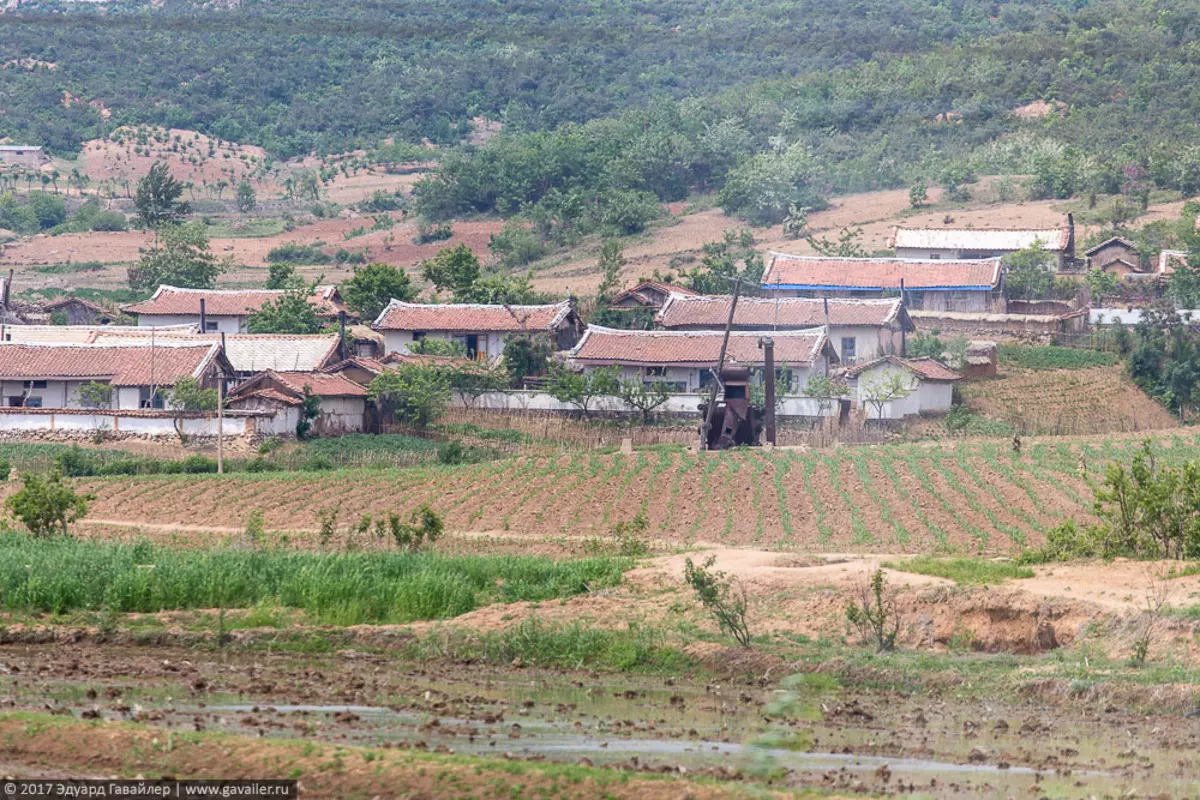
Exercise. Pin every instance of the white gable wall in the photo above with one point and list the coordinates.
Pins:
(491, 343)
(224, 324)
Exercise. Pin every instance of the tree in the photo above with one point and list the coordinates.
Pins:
(1027, 273)
(246, 198)
(372, 287)
(189, 396)
(181, 257)
(581, 389)
(918, 194)
(1101, 283)
(283, 275)
(310, 407)
(612, 261)
(1151, 510)
(823, 389)
(719, 266)
(882, 388)
(472, 379)
(876, 613)
(290, 313)
(846, 246)
(94, 394)
(46, 505)
(417, 394)
(458, 270)
(723, 597)
(525, 355)
(157, 199)
(642, 396)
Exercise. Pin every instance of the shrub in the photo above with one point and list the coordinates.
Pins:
(77, 463)
(875, 614)
(300, 254)
(452, 453)
(46, 505)
(198, 464)
(5, 469)
(722, 597)
(423, 526)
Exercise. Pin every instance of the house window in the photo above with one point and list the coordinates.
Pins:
(706, 378)
(783, 380)
(934, 256)
(418, 336)
(38, 384)
(656, 372)
(849, 355)
(209, 326)
(33, 402)
(145, 400)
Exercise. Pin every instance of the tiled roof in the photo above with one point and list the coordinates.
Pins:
(1111, 240)
(926, 368)
(469, 317)
(247, 352)
(989, 239)
(782, 312)
(324, 384)
(267, 394)
(77, 334)
(638, 292)
(122, 366)
(66, 301)
(830, 272)
(612, 346)
(228, 302)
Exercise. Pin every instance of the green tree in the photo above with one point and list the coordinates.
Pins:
(525, 355)
(1101, 283)
(824, 390)
(188, 395)
(582, 389)
(246, 198)
(310, 408)
(375, 285)
(283, 275)
(181, 257)
(612, 261)
(46, 505)
(848, 244)
(885, 387)
(94, 394)
(643, 397)
(158, 198)
(289, 313)
(418, 395)
(473, 379)
(1028, 273)
(918, 194)
(455, 269)
(719, 266)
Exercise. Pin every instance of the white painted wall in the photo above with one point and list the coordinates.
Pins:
(57, 394)
(398, 341)
(224, 324)
(140, 424)
(924, 396)
(791, 406)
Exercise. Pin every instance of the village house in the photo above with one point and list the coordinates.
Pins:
(23, 155)
(1116, 255)
(976, 243)
(480, 329)
(685, 360)
(223, 310)
(343, 407)
(858, 329)
(50, 376)
(77, 311)
(931, 285)
(248, 353)
(928, 386)
(648, 294)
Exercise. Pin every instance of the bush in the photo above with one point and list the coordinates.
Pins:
(299, 254)
(77, 463)
(724, 598)
(452, 453)
(5, 469)
(198, 464)
(46, 505)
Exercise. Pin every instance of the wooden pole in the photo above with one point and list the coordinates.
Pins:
(712, 395)
(768, 346)
(220, 411)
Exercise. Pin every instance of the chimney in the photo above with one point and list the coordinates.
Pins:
(826, 302)
(342, 352)
(203, 317)
(903, 333)
(1070, 235)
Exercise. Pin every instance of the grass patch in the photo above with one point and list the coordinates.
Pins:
(968, 571)
(62, 575)
(575, 646)
(1053, 357)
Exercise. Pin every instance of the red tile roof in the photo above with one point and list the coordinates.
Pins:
(266, 394)
(470, 317)
(228, 302)
(122, 366)
(829, 272)
(610, 346)
(926, 368)
(782, 312)
(638, 292)
(324, 384)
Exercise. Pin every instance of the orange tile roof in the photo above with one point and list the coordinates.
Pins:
(786, 271)
(324, 384)
(267, 394)
(228, 302)
(928, 368)
(468, 317)
(783, 312)
(612, 346)
(122, 366)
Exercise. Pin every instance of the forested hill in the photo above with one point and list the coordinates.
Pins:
(301, 75)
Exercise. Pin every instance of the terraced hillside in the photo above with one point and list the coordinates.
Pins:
(974, 495)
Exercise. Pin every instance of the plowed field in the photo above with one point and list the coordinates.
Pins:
(965, 496)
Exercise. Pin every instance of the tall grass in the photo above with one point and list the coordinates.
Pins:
(63, 575)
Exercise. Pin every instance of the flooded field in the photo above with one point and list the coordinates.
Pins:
(806, 731)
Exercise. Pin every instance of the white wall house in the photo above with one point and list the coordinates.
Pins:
(973, 243)
(929, 385)
(859, 329)
(480, 329)
(225, 310)
(685, 360)
(343, 406)
(50, 376)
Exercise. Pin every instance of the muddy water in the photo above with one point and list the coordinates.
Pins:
(880, 742)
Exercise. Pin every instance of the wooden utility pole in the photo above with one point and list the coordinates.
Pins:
(712, 395)
(220, 410)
